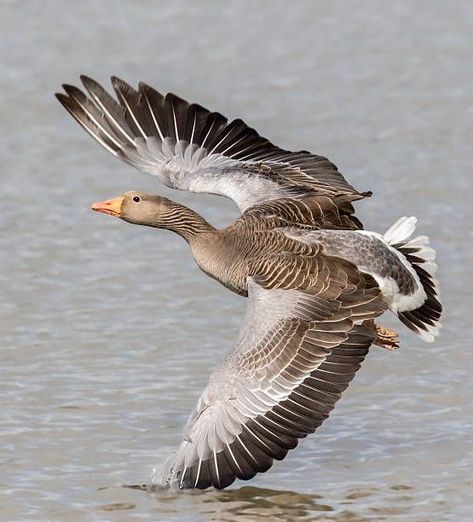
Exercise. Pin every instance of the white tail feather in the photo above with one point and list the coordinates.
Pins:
(424, 319)
(401, 230)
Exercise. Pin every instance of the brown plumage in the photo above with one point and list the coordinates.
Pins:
(315, 281)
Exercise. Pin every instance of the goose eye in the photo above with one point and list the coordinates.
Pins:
(136, 199)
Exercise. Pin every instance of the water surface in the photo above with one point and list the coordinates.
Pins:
(109, 331)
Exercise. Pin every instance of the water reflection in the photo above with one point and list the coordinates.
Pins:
(249, 503)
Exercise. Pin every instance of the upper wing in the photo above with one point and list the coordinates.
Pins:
(191, 148)
(296, 353)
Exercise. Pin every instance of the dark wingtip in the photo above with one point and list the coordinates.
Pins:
(150, 92)
(63, 99)
(87, 80)
(144, 87)
(120, 86)
(71, 90)
(91, 86)
(367, 194)
(118, 82)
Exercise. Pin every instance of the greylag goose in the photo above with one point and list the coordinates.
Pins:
(315, 281)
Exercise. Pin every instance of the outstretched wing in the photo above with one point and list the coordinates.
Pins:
(191, 148)
(297, 352)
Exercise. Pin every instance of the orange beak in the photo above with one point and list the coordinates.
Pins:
(112, 206)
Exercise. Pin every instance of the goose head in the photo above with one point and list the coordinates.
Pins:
(135, 207)
(141, 208)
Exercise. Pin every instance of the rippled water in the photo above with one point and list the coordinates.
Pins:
(109, 332)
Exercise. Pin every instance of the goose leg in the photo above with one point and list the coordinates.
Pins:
(385, 337)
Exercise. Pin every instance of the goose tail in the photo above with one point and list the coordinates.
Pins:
(425, 319)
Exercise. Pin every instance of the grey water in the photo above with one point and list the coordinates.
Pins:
(109, 331)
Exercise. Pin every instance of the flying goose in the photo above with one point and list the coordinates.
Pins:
(315, 281)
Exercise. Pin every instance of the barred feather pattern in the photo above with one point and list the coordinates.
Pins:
(296, 353)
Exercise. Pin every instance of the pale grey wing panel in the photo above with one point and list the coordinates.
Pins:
(191, 148)
(279, 383)
(268, 436)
